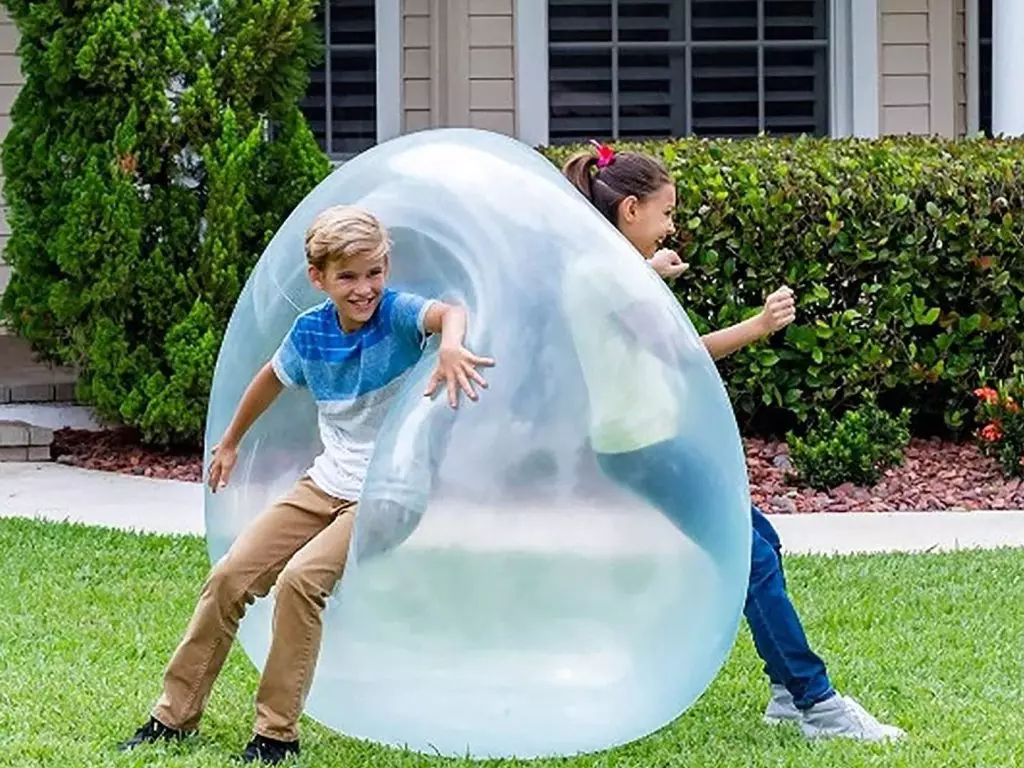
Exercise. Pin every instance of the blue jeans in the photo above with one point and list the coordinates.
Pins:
(778, 634)
(657, 473)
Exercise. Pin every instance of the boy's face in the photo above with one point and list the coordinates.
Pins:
(646, 223)
(354, 285)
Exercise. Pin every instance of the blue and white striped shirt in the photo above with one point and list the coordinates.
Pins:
(353, 377)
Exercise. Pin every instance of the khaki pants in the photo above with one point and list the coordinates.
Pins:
(300, 543)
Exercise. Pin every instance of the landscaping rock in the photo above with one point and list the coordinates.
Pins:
(934, 476)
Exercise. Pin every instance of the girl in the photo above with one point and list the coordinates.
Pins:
(637, 195)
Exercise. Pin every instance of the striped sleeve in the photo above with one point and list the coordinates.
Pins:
(408, 312)
(288, 360)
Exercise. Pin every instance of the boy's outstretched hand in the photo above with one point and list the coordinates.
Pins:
(456, 367)
(223, 461)
(779, 310)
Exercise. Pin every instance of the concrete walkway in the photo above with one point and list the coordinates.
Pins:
(59, 493)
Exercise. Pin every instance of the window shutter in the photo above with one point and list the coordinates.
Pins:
(341, 99)
(985, 66)
(707, 67)
(796, 67)
(580, 80)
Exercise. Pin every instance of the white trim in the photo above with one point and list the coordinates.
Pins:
(841, 67)
(388, 19)
(1007, 61)
(864, 66)
(973, 69)
(532, 75)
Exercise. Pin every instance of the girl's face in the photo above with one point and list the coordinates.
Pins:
(646, 223)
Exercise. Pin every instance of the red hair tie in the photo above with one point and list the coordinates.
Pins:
(605, 154)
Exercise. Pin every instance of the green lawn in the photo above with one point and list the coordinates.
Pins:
(932, 643)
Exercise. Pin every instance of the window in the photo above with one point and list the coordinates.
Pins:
(341, 101)
(632, 69)
(985, 66)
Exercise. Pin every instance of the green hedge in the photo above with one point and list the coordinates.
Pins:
(142, 186)
(906, 255)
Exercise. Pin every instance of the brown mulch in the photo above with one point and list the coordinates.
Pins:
(119, 450)
(935, 475)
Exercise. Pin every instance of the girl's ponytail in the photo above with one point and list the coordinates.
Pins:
(579, 169)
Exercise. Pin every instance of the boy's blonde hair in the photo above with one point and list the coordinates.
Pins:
(342, 231)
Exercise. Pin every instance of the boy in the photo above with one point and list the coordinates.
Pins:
(367, 336)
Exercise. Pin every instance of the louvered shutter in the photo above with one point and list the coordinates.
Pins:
(708, 67)
(341, 101)
(580, 79)
(985, 66)
(796, 67)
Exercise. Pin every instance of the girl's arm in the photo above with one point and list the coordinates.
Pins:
(779, 311)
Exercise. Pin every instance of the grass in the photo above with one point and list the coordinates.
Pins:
(88, 618)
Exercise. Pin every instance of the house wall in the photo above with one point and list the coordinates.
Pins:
(10, 83)
(492, 101)
(458, 64)
(905, 67)
(417, 52)
(960, 73)
(923, 67)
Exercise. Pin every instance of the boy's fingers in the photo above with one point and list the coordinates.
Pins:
(432, 385)
(475, 375)
(453, 393)
(466, 386)
(484, 361)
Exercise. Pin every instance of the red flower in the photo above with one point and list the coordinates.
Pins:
(992, 432)
(987, 395)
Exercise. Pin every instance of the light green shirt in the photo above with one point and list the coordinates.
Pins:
(634, 395)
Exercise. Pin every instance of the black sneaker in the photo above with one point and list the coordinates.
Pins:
(151, 732)
(271, 751)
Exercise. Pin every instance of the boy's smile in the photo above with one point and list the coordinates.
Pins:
(355, 286)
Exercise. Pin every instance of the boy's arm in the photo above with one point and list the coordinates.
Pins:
(258, 396)
(456, 365)
(779, 311)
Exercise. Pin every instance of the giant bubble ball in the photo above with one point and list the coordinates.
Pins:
(566, 569)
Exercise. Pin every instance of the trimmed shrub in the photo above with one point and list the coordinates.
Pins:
(906, 256)
(856, 448)
(143, 182)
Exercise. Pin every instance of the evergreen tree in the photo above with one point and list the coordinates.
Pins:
(143, 183)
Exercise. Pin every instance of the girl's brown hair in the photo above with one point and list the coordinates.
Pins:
(622, 175)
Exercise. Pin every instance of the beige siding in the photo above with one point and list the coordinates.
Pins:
(10, 82)
(492, 101)
(416, 65)
(906, 81)
(960, 65)
(458, 65)
(923, 49)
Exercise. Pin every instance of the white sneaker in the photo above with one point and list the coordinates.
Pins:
(781, 710)
(841, 716)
